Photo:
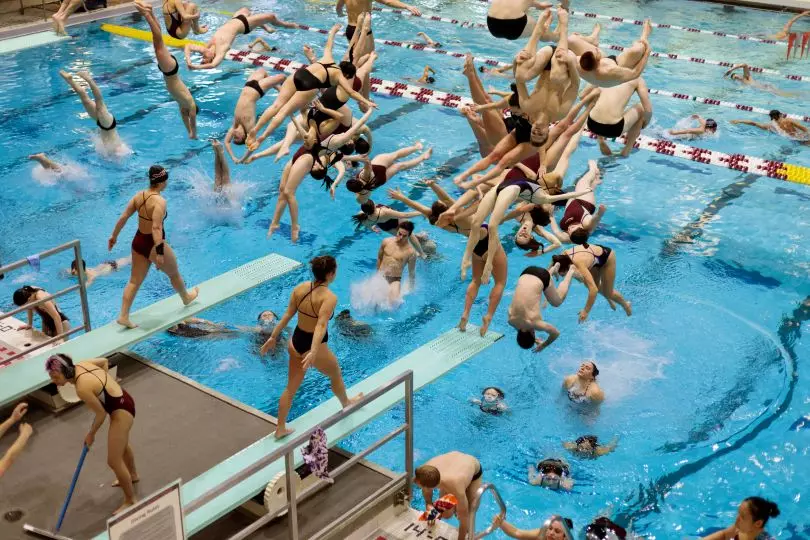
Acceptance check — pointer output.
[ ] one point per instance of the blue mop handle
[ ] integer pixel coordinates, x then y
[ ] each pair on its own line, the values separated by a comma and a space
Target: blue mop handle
72, 487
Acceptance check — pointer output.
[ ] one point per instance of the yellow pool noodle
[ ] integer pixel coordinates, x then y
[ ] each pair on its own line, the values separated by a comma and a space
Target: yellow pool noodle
144, 35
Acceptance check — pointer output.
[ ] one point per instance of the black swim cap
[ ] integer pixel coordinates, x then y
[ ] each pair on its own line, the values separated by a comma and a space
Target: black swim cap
711, 124
354, 185
368, 207
431, 80
525, 338
157, 175
362, 146
73, 265
775, 114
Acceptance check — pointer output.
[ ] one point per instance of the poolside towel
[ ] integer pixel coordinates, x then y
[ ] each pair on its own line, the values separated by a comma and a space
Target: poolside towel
316, 455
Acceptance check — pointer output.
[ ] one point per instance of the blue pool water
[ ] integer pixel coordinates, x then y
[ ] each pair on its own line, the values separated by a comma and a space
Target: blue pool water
702, 382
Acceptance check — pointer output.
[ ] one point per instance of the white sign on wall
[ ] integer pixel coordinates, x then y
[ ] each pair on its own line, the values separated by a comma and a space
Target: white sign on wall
157, 517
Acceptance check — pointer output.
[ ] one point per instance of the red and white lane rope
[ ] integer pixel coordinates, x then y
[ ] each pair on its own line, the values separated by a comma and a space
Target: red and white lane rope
697, 60
716, 33
663, 55
739, 162
492, 62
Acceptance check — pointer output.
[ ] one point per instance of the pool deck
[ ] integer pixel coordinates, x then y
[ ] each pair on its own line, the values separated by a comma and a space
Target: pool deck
182, 430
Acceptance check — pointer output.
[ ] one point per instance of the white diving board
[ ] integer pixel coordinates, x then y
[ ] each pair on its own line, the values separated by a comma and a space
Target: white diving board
428, 363
27, 375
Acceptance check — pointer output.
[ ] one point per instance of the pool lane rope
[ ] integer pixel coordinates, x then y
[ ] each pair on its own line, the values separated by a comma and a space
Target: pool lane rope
667, 56
738, 162
715, 33
492, 62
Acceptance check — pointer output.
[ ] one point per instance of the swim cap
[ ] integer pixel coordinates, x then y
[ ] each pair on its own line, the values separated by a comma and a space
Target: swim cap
711, 124
431, 80
157, 175
775, 114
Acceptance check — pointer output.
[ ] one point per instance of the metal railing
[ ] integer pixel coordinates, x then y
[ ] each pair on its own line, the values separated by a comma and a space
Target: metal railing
81, 287
476, 502
287, 452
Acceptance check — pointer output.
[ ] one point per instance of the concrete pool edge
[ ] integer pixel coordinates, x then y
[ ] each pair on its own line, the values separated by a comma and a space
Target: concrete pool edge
26, 29
794, 6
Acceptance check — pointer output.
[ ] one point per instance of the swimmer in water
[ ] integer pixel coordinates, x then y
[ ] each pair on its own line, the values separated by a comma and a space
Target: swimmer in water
314, 303
747, 79
242, 22
351, 327
103, 269
427, 76
525, 311
603, 528
47, 163
429, 42
492, 401
181, 18
588, 446
54, 322
752, 516
95, 108
222, 172
105, 397
392, 257
194, 327
170, 67
551, 473
149, 245
7, 459
554, 528
706, 126
582, 386
781, 125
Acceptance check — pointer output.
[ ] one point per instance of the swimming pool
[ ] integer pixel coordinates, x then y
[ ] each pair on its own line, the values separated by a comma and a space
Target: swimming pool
700, 381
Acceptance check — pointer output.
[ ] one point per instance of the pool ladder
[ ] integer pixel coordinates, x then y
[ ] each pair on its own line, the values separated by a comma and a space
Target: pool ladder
476, 502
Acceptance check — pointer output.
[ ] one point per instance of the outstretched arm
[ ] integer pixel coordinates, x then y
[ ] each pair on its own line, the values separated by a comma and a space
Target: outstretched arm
397, 195
766, 127
733, 69
400, 5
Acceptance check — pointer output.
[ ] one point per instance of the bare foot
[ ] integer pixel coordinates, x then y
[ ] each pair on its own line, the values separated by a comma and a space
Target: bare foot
469, 65
485, 320
628, 308
418, 145
465, 266
645, 34
486, 274
626, 150
280, 154
84, 74
294, 232
124, 321
282, 432
116, 483
273, 228
217, 145
603, 147
192, 295
65, 75
59, 24
427, 154
124, 506
354, 400
459, 179
597, 29
462, 324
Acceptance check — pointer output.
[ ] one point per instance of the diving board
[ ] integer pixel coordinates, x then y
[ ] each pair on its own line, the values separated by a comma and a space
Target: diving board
28, 375
428, 363
28, 41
